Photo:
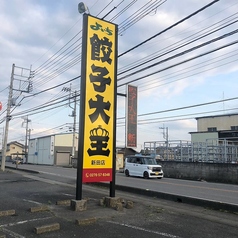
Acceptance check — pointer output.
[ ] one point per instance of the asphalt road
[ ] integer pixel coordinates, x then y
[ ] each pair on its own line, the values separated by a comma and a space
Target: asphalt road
150, 217
221, 193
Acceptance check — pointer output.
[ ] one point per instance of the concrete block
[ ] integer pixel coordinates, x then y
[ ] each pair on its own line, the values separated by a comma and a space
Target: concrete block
112, 201
47, 228
129, 204
39, 209
119, 207
87, 221
79, 205
102, 201
7, 213
64, 202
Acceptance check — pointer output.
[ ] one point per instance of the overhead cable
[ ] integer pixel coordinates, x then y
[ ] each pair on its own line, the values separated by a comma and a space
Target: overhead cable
170, 27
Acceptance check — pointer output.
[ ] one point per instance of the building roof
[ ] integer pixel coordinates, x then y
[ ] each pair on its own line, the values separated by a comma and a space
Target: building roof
40, 137
234, 132
122, 149
15, 143
198, 132
222, 115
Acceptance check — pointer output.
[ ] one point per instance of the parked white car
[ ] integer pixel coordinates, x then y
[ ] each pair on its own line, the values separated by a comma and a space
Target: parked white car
142, 166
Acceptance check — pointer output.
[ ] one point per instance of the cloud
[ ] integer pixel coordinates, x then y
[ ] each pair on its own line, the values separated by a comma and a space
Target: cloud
34, 31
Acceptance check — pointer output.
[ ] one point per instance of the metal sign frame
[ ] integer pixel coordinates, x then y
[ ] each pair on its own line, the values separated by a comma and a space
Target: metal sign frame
98, 95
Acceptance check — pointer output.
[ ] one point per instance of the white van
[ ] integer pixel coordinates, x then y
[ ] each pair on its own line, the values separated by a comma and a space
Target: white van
142, 166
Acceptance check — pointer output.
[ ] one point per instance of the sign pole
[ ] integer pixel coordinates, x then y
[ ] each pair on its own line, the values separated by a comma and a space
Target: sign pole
82, 111
113, 182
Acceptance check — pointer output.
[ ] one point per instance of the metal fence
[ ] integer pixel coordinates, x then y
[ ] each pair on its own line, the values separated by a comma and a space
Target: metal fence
213, 150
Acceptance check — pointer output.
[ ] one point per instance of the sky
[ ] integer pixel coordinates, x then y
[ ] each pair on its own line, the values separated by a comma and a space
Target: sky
179, 69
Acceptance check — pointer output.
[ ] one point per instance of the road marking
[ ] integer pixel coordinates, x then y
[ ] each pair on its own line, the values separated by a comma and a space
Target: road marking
69, 195
146, 230
12, 234
23, 222
54, 174
26, 200
194, 186
50, 181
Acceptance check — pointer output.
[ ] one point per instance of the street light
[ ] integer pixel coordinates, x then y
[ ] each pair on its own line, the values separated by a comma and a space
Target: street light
82, 8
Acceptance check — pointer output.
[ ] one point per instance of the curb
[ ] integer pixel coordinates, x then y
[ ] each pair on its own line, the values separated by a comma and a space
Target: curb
63, 202
176, 198
47, 228
84, 222
7, 213
25, 170
39, 209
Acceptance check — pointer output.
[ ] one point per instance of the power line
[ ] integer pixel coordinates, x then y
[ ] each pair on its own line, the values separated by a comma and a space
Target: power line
139, 14
131, 49
154, 35
176, 48
170, 27
157, 83
187, 107
72, 79
180, 54
180, 63
48, 104
45, 90
168, 59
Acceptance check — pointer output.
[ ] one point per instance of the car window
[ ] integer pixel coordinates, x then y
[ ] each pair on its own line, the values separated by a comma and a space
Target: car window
131, 160
139, 160
128, 160
150, 161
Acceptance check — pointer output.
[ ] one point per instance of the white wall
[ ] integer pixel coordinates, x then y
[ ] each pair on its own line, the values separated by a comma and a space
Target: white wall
202, 137
66, 140
41, 151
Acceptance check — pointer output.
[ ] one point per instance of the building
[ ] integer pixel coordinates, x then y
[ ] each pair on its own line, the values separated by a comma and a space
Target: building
53, 149
217, 127
14, 149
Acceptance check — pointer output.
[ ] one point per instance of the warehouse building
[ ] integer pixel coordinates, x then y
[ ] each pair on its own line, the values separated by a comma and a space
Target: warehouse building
217, 127
53, 149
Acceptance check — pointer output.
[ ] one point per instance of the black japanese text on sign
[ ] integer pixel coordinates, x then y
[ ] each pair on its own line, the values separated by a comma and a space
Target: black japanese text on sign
100, 85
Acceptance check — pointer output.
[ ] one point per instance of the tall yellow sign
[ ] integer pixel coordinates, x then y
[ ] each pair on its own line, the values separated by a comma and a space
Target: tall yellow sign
98, 99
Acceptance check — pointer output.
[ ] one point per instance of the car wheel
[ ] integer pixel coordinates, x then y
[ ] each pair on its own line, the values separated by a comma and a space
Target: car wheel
127, 173
145, 175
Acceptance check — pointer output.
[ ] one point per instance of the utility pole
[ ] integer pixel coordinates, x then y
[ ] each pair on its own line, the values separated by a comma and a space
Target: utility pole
74, 125
26, 120
65, 89
166, 137
2, 133
23, 78
8, 118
